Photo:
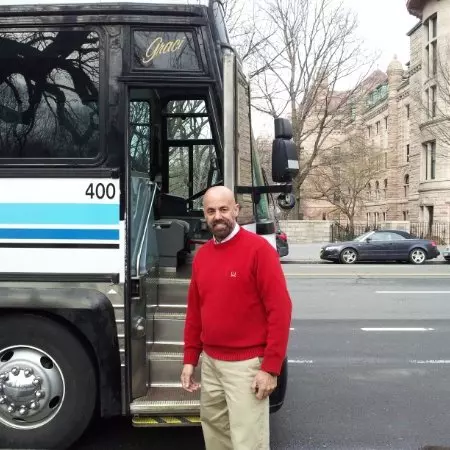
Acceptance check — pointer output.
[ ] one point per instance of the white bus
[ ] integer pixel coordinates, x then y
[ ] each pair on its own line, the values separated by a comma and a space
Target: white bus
114, 121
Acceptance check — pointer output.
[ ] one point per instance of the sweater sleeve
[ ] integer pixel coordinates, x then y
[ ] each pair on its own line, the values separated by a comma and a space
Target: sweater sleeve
274, 294
193, 326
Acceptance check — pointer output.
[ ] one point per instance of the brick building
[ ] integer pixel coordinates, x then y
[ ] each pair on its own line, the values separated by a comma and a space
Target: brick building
405, 115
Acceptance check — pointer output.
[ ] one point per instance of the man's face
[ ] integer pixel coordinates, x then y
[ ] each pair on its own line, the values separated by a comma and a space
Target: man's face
220, 213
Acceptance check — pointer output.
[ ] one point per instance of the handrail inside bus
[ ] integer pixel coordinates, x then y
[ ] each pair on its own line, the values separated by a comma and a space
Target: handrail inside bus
144, 234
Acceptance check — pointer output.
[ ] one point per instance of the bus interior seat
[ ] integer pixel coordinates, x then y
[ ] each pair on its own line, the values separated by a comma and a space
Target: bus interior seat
172, 231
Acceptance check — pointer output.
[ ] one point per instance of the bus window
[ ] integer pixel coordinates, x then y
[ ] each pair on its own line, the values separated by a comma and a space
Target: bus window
49, 90
140, 136
192, 152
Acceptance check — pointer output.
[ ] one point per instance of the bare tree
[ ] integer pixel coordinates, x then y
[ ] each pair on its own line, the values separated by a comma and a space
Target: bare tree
314, 47
343, 178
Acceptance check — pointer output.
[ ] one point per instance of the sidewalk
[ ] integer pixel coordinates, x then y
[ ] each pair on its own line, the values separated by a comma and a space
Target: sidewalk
309, 254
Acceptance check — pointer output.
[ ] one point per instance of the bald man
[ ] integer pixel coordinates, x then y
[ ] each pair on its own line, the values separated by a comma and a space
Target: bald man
238, 317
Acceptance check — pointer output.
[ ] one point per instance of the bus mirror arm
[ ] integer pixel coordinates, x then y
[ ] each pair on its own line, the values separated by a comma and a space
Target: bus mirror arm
274, 189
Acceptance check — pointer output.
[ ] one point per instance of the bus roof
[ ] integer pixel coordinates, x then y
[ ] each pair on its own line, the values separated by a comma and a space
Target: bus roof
32, 3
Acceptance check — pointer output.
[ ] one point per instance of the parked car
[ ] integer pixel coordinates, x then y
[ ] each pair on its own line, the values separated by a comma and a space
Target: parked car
381, 245
446, 253
282, 243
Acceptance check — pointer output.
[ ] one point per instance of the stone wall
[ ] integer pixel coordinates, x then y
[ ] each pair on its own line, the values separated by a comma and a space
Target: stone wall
395, 225
307, 231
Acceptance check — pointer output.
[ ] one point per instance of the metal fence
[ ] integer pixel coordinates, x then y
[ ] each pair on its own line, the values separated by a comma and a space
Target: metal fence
437, 231
346, 233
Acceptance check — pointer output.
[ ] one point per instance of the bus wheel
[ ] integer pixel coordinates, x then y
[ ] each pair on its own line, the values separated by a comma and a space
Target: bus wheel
48, 386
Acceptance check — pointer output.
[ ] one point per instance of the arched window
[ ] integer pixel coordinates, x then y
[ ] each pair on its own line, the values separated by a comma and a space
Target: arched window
406, 185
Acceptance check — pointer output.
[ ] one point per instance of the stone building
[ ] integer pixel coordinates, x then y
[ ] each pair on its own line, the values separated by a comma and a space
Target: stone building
405, 115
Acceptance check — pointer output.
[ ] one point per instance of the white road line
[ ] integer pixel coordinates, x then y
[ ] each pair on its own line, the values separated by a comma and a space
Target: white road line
300, 361
430, 361
397, 329
412, 292
292, 329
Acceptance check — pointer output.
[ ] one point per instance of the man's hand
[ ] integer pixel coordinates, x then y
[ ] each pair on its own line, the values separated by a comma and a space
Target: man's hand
187, 378
263, 384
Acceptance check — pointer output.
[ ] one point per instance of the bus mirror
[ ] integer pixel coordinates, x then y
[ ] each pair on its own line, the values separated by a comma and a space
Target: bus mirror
285, 165
283, 129
284, 161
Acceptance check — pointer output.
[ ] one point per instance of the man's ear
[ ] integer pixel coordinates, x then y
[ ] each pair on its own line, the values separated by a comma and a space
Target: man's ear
237, 209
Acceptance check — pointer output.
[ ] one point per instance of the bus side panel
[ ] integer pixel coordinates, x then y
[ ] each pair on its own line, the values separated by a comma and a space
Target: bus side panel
90, 316
61, 226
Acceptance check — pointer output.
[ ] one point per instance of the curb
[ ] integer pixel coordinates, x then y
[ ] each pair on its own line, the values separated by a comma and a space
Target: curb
314, 261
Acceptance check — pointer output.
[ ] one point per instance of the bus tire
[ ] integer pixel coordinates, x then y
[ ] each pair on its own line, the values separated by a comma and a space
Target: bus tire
57, 379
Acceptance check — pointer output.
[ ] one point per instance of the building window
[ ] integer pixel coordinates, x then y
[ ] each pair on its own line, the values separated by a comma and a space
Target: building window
378, 127
386, 123
385, 187
369, 130
407, 153
430, 98
405, 215
384, 217
407, 111
406, 185
429, 156
431, 45
377, 190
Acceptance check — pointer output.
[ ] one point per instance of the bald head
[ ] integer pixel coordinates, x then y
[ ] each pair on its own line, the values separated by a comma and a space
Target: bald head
221, 193
221, 211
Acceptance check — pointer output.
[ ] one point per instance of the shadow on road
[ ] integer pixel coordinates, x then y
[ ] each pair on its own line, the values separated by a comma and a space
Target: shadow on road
119, 434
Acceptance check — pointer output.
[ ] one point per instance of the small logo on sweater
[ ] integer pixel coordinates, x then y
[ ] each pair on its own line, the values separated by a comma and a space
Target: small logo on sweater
233, 274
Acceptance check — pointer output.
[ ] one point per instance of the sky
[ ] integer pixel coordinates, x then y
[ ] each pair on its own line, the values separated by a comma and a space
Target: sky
383, 25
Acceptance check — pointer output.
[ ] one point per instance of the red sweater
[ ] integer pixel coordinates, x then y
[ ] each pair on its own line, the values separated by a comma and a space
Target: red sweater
238, 303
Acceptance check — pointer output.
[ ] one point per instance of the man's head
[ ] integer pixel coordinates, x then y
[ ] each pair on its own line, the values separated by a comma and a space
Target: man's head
221, 211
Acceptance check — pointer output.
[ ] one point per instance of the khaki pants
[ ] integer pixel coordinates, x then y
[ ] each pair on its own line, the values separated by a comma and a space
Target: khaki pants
232, 417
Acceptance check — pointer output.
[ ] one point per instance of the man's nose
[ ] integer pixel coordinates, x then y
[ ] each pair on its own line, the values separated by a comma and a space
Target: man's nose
217, 215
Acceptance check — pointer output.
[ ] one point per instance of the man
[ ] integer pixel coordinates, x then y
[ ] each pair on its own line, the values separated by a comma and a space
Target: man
238, 315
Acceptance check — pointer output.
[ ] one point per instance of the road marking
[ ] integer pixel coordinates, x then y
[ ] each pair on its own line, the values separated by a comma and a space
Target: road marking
300, 361
412, 292
363, 275
430, 361
397, 329
292, 329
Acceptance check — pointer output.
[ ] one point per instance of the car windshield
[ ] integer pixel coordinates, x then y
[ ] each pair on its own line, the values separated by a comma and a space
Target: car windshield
363, 236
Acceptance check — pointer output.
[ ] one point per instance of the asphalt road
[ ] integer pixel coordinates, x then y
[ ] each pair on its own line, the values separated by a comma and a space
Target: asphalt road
369, 365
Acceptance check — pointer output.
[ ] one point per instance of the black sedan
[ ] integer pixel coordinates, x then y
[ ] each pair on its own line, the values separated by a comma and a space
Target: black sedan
381, 245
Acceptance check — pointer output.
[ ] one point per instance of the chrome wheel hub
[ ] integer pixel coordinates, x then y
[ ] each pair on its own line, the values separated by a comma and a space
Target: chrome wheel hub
418, 256
31, 387
349, 256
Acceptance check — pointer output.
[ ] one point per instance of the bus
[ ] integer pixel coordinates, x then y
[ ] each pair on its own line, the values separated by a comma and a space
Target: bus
115, 118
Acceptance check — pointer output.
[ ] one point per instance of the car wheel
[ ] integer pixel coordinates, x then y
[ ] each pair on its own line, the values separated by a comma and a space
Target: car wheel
48, 386
417, 256
348, 256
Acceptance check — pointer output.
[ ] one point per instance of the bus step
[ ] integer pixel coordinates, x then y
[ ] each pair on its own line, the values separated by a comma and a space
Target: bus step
170, 400
165, 421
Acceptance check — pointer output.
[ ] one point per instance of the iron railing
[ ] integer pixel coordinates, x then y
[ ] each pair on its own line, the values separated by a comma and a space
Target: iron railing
436, 231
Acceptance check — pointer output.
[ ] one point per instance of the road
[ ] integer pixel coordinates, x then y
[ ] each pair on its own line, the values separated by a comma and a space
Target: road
369, 365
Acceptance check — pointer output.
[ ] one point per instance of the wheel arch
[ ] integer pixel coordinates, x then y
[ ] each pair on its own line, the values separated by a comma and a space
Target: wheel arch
83, 318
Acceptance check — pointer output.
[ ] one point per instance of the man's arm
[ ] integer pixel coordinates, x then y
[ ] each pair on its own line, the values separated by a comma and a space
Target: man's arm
193, 326
272, 287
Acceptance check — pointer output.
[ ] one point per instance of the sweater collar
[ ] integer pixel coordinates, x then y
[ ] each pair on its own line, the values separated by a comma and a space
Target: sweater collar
230, 236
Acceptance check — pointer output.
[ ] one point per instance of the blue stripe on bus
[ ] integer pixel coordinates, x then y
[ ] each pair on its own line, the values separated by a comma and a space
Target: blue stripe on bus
59, 213
46, 233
